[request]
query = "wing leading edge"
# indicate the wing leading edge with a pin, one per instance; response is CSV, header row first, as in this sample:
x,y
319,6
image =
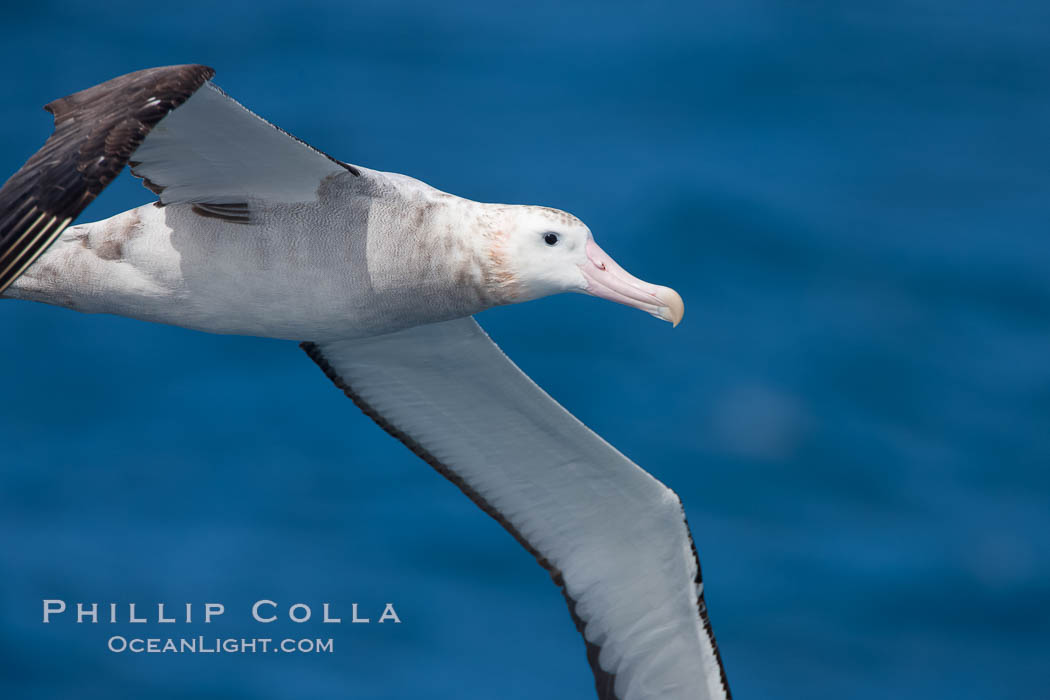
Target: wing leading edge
x,y
96,131
186,139
612,536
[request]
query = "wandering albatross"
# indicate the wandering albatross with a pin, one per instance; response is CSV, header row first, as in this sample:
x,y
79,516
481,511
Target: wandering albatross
x,y
254,232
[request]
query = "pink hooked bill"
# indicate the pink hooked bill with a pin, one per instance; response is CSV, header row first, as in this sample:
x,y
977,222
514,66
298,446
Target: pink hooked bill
x,y
607,280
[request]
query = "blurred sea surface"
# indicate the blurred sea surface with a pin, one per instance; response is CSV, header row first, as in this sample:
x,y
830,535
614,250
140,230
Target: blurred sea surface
x,y
853,200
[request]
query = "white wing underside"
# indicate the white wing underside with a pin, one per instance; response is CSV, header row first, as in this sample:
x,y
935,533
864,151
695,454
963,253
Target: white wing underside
x,y
213,150
613,536
616,535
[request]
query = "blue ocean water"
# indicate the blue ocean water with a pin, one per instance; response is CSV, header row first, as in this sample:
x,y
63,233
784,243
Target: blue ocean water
x,y
853,200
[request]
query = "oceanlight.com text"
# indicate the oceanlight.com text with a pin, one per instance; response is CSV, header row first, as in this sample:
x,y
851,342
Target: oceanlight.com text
x,y
217,645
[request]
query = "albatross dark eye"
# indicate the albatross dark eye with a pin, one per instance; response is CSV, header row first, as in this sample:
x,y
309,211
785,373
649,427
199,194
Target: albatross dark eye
x,y
550,238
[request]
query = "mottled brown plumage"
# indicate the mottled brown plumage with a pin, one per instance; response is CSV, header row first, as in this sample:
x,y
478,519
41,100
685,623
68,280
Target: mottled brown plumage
x,y
354,258
96,131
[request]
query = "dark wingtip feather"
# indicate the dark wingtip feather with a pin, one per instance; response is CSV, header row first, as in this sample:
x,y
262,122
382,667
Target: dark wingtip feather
x,y
96,131
191,75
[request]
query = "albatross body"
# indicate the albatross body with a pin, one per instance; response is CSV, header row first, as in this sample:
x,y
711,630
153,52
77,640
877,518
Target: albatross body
x,y
372,253
254,232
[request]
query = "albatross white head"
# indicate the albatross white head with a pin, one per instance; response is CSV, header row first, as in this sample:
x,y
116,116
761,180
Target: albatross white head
x,y
543,251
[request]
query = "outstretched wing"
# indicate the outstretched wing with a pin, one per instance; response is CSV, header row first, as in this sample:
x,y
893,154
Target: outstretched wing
x,y
612,537
182,135
213,150
96,131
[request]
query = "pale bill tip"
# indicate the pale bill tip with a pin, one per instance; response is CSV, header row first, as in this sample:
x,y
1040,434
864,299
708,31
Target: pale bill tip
x,y
673,307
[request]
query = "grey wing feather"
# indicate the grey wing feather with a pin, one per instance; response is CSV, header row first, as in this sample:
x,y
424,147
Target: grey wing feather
x,y
96,132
